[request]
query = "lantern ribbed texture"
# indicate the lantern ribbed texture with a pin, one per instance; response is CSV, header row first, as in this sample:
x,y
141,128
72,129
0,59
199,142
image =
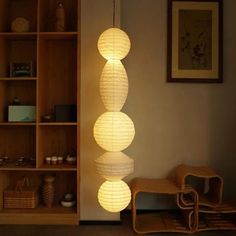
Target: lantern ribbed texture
x,y
114,43
114,131
114,166
114,196
114,85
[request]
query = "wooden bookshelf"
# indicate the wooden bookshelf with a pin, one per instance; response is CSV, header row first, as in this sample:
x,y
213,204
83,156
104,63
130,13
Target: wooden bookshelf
x,y
55,81
17,123
58,123
17,78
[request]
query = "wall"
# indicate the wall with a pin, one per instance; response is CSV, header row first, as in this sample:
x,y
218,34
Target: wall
x,y
175,123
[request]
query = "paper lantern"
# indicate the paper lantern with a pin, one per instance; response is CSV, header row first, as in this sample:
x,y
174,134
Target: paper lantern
x,y
114,131
114,43
114,196
114,85
114,165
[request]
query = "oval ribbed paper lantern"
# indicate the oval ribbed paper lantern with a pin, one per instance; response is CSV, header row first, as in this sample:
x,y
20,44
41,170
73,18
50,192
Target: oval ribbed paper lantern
x,y
114,196
114,165
114,131
114,43
114,85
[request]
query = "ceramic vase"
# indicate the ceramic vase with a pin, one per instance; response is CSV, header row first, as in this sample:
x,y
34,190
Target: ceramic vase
x,y
48,191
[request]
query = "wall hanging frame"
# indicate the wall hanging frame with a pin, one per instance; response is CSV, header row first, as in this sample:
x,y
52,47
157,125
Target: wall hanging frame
x,y
195,41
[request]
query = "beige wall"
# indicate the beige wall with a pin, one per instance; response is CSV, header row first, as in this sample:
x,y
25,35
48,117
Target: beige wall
x,y
175,123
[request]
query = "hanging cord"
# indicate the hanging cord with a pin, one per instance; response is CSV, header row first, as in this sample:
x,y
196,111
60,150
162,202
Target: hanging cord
x,y
114,13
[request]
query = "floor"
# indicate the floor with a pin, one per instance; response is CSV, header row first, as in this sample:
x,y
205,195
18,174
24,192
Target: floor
x,y
125,229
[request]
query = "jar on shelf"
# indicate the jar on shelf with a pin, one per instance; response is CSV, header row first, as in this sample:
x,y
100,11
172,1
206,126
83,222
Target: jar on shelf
x,y
48,191
60,18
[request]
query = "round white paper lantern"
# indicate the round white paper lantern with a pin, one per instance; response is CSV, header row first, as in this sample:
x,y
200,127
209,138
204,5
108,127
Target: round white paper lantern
x,y
114,43
114,131
114,166
114,196
114,85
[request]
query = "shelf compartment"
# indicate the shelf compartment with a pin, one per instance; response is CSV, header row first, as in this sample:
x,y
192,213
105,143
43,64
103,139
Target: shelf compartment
x,y
9,10
55,215
57,73
56,141
22,49
24,90
48,12
16,142
65,182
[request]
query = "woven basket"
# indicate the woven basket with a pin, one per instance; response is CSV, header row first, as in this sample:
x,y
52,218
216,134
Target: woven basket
x,y
22,196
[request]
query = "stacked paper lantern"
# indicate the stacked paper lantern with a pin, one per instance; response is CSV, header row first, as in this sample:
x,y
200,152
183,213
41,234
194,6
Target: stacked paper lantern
x,y
114,130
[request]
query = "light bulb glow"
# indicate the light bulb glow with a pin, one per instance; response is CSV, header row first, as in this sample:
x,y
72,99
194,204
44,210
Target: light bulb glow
x,y
114,196
114,131
114,85
114,43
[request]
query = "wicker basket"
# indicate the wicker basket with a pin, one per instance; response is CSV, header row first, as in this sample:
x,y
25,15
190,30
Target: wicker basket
x,y
22,196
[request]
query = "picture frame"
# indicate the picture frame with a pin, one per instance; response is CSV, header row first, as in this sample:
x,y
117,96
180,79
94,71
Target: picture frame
x,y
195,41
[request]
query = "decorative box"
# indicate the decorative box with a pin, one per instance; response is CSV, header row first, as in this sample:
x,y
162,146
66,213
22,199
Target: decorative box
x,y
19,113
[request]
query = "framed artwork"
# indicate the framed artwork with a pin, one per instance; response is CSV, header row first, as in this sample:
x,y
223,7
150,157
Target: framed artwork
x,y
194,43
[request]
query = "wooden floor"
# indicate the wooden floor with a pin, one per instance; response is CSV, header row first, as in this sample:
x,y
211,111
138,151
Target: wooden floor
x,y
124,229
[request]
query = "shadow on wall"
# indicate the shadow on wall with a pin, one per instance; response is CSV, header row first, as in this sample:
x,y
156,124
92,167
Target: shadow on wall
x,y
222,108
193,124
222,151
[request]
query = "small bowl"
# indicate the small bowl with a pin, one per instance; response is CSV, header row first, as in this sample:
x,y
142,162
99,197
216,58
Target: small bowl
x,y
47,118
68,197
71,160
68,204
